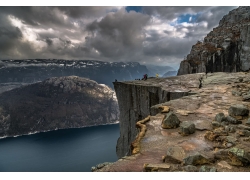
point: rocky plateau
(192, 123)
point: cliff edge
(192, 123)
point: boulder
(239, 157)
(220, 117)
(187, 128)
(238, 110)
(170, 121)
(196, 159)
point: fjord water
(66, 150)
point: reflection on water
(68, 150)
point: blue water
(67, 150)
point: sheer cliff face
(225, 49)
(56, 103)
(136, 97)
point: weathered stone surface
(238, 110)
(224, 164)
(230, 139)
(238, 156)
(156, 167)
(186, 128)
(221, 154)
(196, 159)
(170, 121)
(246, 97)
(190, 168)
(174, 154)
(205, 168)
(220, 117)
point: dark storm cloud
(118, 34)
(49, 41)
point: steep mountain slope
(56, 103)
(225, 49)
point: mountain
(153, 70)
(170, 73)
(56, 103)
(225, 49)
(34, 70)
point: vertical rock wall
(225, 49)
(134, 104)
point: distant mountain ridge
(56, 103)
(34, 70)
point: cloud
(154, 35)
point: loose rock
(170, 121)
(174, 155)
(196, 159)
(220, 117)
(238, 157)
(190, 168)
(238, 110)
(207, 169)
(187, 128)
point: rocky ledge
(56, 103)
(190, 123)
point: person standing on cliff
(157, 75)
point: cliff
(136, 97)
(56, 103)
(213, 131)
(225, 49)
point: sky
(158, 35)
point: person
(157, 75)
(146, 76)
(115, 80)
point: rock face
(225, 49)
(56, 103)
(136, 97)
(224, 148)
